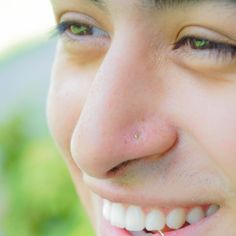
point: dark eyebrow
(160, 4)
(169, 3)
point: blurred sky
(23, 19)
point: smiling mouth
(138, 221)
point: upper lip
(121, 194)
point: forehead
(149, 4)
(152, 3)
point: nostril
(117, 170)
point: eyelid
(203, 32)
(80, 18)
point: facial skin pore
(140, 113)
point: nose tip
(100, 151)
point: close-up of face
(142, 106)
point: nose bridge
(115, 119)
(117, 92)
(120, 80)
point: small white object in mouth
(133, 218)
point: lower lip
(108, 230)
(191, 230)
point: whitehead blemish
(137, 135)
(134, 135)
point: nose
(121, 119)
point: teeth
(155, 220)
(176, 218)
(195, 215)
(106, 209)
(133, 218)
(118, 215)
(212, 210)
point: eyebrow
(160, 4)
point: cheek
(67, 95)
(220, 133)
(215, 130)
(207, 112)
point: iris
(80, 29)
(200, 44)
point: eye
(201, 44)
(80, 29)
(81, 37)
(194, 43)
(77, 29)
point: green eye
(80, 30)
(200, 44)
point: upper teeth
(133, 218)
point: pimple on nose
(133, 136)
(137, 135)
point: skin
(141, 123)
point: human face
(143, 107)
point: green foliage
(41, 200)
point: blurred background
(37, 196)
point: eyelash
(217, 48)
(221, 49)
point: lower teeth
(145, 232)
(141, 233)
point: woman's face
(143, 106)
